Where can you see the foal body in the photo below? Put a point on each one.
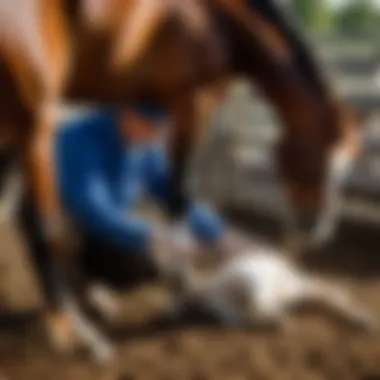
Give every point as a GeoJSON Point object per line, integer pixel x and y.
{"type": "Point", "coordinates": [260, 286]}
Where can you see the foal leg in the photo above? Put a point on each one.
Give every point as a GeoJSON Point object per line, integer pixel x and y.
{"type": "Point", "coordinates": [336, 300]}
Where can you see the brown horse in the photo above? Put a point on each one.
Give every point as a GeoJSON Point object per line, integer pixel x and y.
{"type": "Point", "coordinates": [180, 53]}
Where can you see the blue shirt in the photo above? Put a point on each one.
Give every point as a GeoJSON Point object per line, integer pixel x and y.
{"type": "Point", "coordinates": [101, 178]}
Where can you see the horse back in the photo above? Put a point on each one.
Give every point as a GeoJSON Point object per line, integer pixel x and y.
{"type": "Point", "coordinates": [67, 48]}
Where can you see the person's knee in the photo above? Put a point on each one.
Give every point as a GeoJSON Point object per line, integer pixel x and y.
{"type": "Point", "coordinates": [116, 266]}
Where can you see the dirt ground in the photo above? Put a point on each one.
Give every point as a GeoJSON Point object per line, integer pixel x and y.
{"type": "Point", "coordinates": [319, 348]}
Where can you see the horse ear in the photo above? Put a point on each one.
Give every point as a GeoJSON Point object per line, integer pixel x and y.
{"type": "Point", "coordinates": [138, 27]}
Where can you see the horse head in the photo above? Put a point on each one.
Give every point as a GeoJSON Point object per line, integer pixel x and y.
{"type": "Point", "coordinates": [321, 134]}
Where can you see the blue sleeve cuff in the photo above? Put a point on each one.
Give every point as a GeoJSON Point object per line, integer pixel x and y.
{"type": "Point", "coordinates": [206, 225]}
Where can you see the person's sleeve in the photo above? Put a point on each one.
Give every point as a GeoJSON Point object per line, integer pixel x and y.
{"type": "Point", "coordinates": [91, 203]}
{"type": "Point", "coordinates": [205, 224]}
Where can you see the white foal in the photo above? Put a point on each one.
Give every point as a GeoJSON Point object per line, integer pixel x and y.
{"type": "Point", "coordinates": [259, 285]}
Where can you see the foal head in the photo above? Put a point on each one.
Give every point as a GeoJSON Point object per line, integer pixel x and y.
{"type": "Point", "coordinates": [320, 138]}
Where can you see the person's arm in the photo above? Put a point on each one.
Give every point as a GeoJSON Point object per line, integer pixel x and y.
{"type": "Point", "coordinates": [90, 202]}
{"type": "Point", "coordinates": [204, 223]}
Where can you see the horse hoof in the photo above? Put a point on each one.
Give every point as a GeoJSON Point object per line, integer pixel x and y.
{"type": "Point", "coordinates": [69, 331]}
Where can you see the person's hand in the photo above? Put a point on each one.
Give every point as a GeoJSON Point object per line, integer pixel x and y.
{"type": "Point", "coordinates": [229, 244]}
{"type": "Point", "coordinates": [171, 244]}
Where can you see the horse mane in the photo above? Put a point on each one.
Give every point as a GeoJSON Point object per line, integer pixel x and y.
{"type": "Point", "coordinates": [304, 59]}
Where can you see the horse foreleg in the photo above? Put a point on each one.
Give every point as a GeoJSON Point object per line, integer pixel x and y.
{"type": "Point", "coordinates": [191, 115]}
{"type": "Point", "coordinates": [38, 165]}
{"type": "Point", "coordinates": [63, 320]}
{"type": "Point", "coordinates": [181, 143]}
{"type": "Point", "coordinates": [38, 169]}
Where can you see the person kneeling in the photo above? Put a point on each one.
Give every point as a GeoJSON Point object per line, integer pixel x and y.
{"type": "Point", "coordinates": [107, 161]}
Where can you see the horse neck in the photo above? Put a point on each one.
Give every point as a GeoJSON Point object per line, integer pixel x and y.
{"type": "Point", "coordinates": [290, 96]}
{"type": "Point", "coordinates": [271, 61]}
